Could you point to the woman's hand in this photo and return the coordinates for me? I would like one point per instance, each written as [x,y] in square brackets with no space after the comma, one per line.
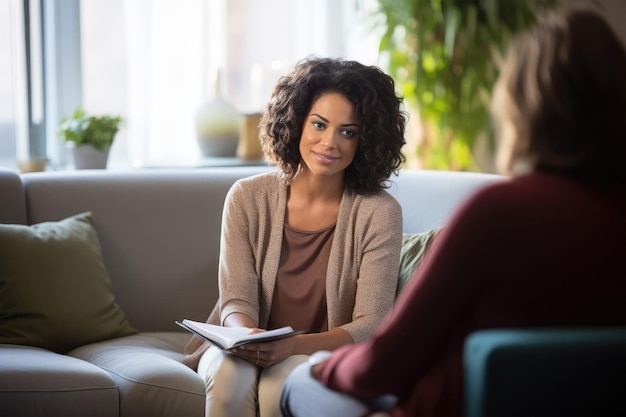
[266,354]
[316,371]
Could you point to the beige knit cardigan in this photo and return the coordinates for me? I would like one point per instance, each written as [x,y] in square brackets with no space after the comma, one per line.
[362,270]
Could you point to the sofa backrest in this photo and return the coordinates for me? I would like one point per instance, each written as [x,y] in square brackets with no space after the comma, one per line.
[159,232]
[428,198]
[12,198]
[160,229]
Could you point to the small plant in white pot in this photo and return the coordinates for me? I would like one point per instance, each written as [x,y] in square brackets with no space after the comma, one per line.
[91,137]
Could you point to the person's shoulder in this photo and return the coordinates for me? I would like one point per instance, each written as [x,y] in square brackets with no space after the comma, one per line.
[366,206]
[495,196]
[270,179]
[379,199]
[530,188]
[255,187]
[514,197]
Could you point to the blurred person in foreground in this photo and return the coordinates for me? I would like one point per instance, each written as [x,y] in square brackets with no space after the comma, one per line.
[543,248]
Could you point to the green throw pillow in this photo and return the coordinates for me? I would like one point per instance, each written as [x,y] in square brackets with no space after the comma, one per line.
[55,291]
[414,247]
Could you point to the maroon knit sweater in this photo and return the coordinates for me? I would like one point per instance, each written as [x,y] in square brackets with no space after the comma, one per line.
[540,250]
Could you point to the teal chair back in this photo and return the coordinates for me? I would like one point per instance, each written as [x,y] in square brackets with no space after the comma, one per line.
[546,372]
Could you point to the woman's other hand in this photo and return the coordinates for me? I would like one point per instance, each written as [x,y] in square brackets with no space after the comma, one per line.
[267,353]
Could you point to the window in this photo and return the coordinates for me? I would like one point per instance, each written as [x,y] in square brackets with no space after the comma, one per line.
[13,90]
[151,61]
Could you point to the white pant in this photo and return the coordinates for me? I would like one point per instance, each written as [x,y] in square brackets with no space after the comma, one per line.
[235,387]
[305,396]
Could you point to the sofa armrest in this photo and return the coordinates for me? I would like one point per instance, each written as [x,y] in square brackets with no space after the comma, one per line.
[12,198]
[546,372]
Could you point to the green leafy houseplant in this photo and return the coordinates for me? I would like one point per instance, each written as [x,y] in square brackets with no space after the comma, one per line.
[84,129]
[444,55]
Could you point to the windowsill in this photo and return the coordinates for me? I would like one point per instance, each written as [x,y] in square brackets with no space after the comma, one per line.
[207,162]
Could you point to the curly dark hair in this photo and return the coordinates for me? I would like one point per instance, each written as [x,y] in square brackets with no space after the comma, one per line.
[378,108]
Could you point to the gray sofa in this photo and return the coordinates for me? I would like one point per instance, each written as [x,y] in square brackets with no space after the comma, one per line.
[159,236]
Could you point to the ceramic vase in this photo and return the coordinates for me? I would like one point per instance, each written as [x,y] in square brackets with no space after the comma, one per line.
[88,157]
[217,128]
[217,123]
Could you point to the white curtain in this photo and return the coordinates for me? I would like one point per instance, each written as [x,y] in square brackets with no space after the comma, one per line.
[151,61]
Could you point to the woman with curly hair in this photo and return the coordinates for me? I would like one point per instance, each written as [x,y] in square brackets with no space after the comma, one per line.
[314,245]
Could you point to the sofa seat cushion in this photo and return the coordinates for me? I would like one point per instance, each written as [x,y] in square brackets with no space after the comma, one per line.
[148,372]
[36,381]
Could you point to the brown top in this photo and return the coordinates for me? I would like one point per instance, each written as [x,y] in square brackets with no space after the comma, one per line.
[300,292]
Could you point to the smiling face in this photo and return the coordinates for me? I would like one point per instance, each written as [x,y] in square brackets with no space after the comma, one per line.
[330,135]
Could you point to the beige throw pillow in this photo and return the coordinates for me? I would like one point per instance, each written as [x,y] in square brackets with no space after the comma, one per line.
[414,246]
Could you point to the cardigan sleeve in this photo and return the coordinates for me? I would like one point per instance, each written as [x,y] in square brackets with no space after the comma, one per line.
[238,277]
[252,226]
[246,224]
[365,268]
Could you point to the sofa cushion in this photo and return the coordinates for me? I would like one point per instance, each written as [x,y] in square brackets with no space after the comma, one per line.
[55,292]
[36,381]
[148,372]
[414,246]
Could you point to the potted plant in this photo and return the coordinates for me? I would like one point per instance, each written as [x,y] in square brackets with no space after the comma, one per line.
[91,137]
[444,55]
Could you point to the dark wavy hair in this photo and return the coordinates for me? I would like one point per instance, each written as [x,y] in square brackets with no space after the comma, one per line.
[379,109]
[563,90]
